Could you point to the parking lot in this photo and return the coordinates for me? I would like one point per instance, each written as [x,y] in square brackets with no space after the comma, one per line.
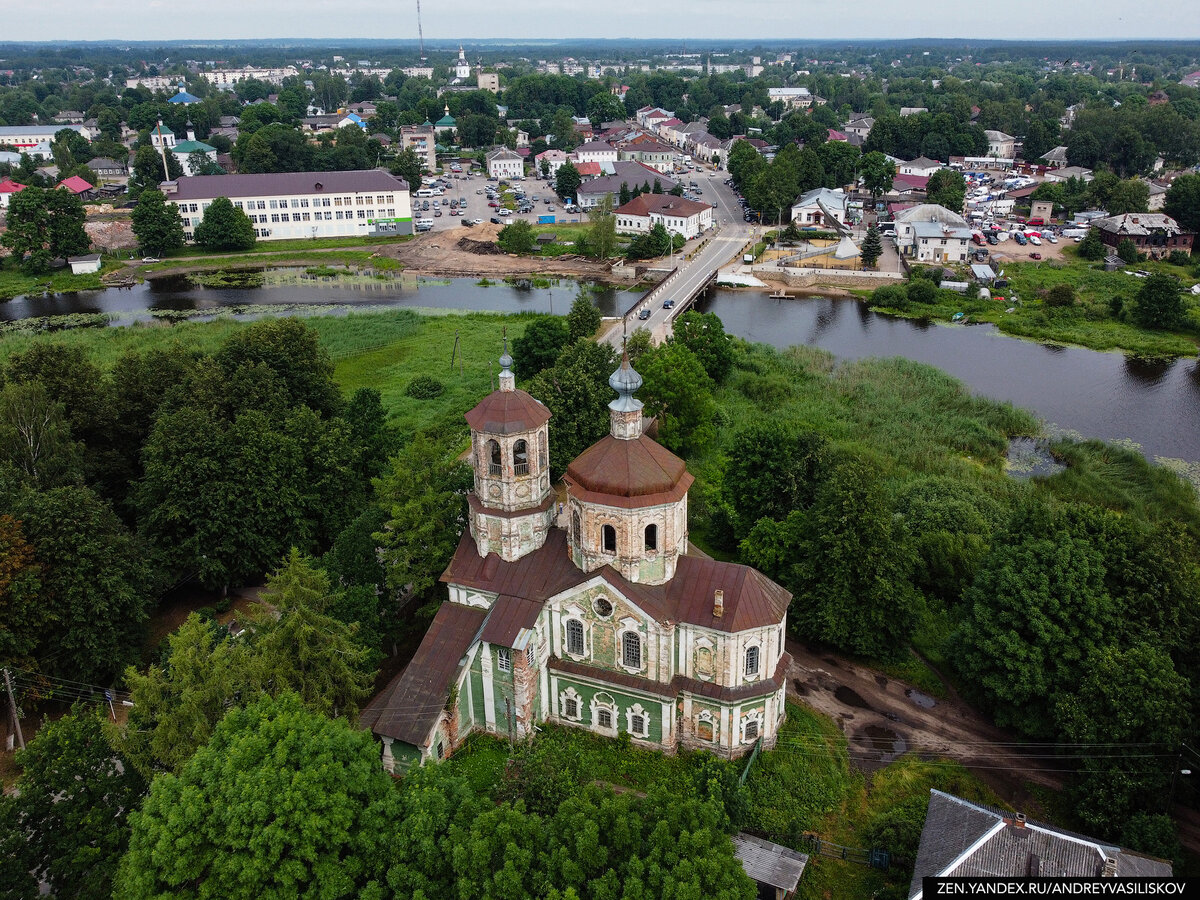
[469,192]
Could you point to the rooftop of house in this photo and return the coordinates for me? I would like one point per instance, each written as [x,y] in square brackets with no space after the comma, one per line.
[924,162]
[76,185]
[831,198]
[1139,224]
[277,184]
[941,230]
[193,147]
[964,839]
[661,204]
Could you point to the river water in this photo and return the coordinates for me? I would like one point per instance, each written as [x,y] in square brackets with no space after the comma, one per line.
[1104,395]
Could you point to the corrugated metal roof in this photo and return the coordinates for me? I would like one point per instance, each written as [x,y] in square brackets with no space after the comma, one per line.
[967,839]
[508,618]
[409,707]
[507,412]
[286,183]
[751,600]
[768,863]
[627,468]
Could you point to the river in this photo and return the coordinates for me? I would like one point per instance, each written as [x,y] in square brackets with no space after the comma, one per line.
[1104,395]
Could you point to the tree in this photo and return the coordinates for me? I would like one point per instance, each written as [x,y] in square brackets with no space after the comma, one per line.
[678,392]
[517,237]
[423,495]
[1159,303]
[540,345]
[1182,202]
[1091,247]
[584,317]
[567,180]
[872,247]
[1127,250]
[890,296]
[577,394]
[773,469]
[408,166]
[280,801]
[292,350]
[1130,195]
[947,188]
[200,163]
[877,173]
[92,602]
[654,243]
[70,812]
[602,235]
[704,334]
[47,225]
[148,166]
[157,224]
[625,196]
[225,227]
[35,437]
[851,576]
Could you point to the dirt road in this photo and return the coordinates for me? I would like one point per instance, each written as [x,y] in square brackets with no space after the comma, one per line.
[438,253]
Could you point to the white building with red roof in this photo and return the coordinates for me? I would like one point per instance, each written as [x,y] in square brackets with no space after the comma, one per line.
[677,215]
[8,188]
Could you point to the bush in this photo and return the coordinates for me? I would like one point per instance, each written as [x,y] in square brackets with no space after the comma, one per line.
[1179,258]
[1060,295]
[892,296]
[921,291]
[1127,250]
[1092,247]
[424,387]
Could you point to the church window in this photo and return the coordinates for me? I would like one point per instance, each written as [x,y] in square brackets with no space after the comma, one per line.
[631,649]
[604,718]
[521,458]
[704,662]
[495,466]
[571,708]
[576,530]
[638,724]
[504,659]
[575,637]
[602,607]
[651,537]
[610,539]
[441,750]
[751,729]
[704,729]
[751,661]
[542,451]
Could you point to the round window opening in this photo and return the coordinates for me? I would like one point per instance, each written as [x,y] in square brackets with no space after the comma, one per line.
[602,607]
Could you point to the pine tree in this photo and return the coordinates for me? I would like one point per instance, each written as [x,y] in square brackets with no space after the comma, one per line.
[625,196]
[872,248]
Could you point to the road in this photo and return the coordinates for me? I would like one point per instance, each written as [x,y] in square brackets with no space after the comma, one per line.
[730,233]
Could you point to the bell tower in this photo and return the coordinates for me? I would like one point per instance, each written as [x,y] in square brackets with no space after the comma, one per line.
[512,506]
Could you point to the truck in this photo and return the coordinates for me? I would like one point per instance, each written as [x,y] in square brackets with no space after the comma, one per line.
[545,220]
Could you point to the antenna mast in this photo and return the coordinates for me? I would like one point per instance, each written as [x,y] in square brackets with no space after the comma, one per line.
[420,33]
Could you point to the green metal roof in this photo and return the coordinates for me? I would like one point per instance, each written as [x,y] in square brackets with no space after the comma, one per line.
[193,147]
[446,122]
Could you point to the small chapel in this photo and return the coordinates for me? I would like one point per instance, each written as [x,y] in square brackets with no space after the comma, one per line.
[588,613]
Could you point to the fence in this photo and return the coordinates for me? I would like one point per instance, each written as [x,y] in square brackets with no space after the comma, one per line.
[875,858]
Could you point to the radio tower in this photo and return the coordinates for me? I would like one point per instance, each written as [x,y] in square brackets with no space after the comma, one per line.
[420,33]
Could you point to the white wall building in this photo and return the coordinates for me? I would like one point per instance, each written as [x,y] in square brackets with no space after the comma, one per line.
[462,68]
[940,243]
[677,215]
[28,138]
[1001,145]
[595,151]
[225,79]
[290,205]
[505,163]
[806,211]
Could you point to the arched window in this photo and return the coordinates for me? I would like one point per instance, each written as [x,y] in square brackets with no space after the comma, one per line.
[575,637]
[610,539]
[651,537]
[521,458]
[704,662]
[752,729]
[631,649]
[495,466]
[577,531]
[751,661]
[704,728]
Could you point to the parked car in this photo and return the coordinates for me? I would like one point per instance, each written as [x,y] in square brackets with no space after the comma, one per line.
[1052,238]
[1035,240]
[495,221]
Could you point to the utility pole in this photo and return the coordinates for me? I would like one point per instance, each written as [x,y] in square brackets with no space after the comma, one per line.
[12,705]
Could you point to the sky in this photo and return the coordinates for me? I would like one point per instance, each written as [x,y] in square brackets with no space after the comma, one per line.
[773,20]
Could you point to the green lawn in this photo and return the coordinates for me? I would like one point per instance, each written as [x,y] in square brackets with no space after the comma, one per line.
[300,244]
[15,283]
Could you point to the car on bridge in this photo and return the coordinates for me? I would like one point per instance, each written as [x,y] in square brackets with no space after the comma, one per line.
[644,314]
[668,304]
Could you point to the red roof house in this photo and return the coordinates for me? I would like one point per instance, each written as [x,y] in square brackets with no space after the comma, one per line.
[76,185]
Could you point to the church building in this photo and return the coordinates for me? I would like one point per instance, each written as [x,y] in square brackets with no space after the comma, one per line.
[593,615]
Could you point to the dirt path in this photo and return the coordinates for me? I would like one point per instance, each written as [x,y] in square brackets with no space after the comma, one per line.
[437,253]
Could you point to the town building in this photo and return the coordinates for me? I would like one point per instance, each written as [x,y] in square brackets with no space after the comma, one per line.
[611,176]
[922,167]
[595,151]
[791,97]
[505,163]
[183,98]
[289,205]
[926,214]
[30,138]
[1066,173]
[961,839]
[151,82]
[859,125]
[1154,234]
[940,243]
[488,81]
[553,160]
[649,152]
[678,215]
[447,122]
[80,187]
[1000,145]
[108,169]
[185,151]
[816,208]
[605,624]
[225,79]
[8,189]
[422,140]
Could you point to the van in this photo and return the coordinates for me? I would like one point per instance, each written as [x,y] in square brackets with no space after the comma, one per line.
[1037,220]
[424,192]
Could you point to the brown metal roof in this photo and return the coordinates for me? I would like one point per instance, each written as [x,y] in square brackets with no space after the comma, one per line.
[409,707]
[628,469]
[508,616]
[507,412]
[274,184]
[751,600]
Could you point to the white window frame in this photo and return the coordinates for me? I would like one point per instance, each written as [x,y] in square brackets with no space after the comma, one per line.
[641,650]
[602,702]
[503,659]
[570,695]
[637,710]
[707,715]
[756,717]
[756,646]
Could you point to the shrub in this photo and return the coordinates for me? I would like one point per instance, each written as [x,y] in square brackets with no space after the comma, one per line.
[424,387]
[1179,258]
[1127,250]
[921,291]
[1060,295]
[892,296]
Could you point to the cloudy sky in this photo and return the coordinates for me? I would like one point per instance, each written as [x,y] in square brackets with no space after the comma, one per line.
[525,19]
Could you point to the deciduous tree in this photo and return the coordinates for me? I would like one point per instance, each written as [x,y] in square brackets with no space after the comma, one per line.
[157,224]
[584,317]
[224,227]
[1159,303]
[539,346]
[678,392]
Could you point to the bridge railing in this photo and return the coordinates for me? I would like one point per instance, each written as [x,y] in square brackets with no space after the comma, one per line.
[648,297]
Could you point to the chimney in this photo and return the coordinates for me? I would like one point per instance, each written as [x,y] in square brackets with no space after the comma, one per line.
[1019,820]
[718,603]
[1110,867]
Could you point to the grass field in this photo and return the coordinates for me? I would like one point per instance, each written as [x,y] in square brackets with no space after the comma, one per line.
[15,283]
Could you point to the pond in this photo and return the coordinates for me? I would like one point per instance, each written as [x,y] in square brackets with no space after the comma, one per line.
[1102,395]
